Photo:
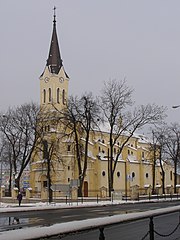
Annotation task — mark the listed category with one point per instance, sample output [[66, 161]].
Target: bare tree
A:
[[160, 141], [20, 130], [2, 147], [48, 145], [115, 98], [153, 148], [81, 116], [6, 160], [49, 149], [173, 148]]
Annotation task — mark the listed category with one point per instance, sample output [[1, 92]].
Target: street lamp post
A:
[[175, 171], [126, 178], [176, 106], [1, 180]]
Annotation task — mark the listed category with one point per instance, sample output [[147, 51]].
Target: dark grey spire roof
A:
[[54, 61]]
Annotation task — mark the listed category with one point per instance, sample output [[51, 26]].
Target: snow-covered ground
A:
[[37, 232], [13, 207]]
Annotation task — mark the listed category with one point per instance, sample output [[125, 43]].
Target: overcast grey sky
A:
[[100, 40]]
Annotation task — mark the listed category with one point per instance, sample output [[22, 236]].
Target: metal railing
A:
[[106, 222]]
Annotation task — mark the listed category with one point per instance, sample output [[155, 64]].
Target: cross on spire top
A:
[[54, 9]]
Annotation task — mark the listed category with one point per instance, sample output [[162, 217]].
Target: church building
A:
[[134, 167]]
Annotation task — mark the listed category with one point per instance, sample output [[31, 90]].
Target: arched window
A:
[[133, 174], [171, 175], [118, 174], [103, 173], [58, 95], [44, 96], [50, 97], [63, 96]]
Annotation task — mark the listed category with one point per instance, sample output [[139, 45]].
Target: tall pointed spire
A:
[[54, 61]]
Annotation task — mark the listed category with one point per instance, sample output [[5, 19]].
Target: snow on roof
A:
[[39, 162], [142, 138], [101, 143], [88, 141], [131, 147], [132, 158], [105, 127], [143, 148], [68, 140], [90, 155]]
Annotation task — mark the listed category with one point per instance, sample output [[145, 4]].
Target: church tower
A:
[[54, 80]]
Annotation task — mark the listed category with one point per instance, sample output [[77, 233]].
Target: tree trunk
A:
[[110, 171], [175, 176], [163, 181], [46, 156], [110, 164], [153, 177], [80, 193], [153, 166], [109, 174], [162, 170], [17, 183], [10, 182], [50, 197]]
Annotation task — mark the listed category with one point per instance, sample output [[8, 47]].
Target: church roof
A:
[[54, 61]]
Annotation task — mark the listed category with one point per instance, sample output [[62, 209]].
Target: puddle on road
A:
[[4, 221], [9, 223], [14, 222]]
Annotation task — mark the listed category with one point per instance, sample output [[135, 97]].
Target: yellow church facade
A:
[[134, 166]]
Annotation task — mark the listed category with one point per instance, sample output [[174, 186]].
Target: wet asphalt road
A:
[[10, 221]]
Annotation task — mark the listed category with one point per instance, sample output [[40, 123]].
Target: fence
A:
[[102, 195], [107, 222], [64, 192]]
